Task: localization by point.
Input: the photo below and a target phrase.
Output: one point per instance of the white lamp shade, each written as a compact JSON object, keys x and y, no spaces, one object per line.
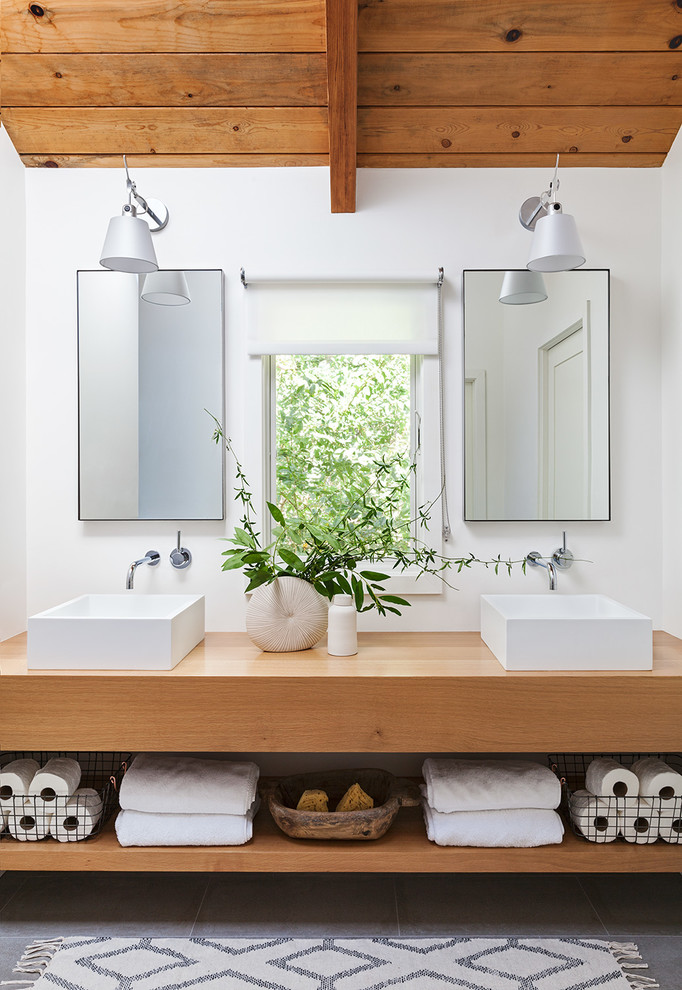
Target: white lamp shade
{"x":522,"y":288}
{"x":128,"y":246}
{"x":166,"y":289}
{"x":556,"y":244}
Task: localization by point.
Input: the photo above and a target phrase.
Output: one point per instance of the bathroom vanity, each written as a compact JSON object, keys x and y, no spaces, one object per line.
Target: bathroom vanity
{"x":403,"y":693}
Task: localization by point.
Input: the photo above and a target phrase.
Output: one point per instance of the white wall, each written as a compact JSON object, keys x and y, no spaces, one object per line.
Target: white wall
{"x":12,"y":391}
{"x":272,"y":220}
{"x":671,"y":387}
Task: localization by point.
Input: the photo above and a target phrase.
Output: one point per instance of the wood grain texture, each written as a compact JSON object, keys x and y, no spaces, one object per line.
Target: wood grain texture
{"x":164,"y":26}
{"x":414,"y":160}
{"x":504,"y":160}
{"x":430,"y":692}
{"x":579,"y":79}
{"x":342,"y":89}
{"x":167,"y":130}
{"x":176,"y":161}
{"x":404,"y":849}
{"x":527,"y":129}
{"x":168,"y":79}
{"x":535,"y":25}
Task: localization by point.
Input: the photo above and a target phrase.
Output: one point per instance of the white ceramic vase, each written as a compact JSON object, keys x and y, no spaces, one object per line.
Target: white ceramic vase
{"x":286,"y":616}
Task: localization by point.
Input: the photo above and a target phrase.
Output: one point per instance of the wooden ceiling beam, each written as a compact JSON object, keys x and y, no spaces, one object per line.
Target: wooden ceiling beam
{"x":342,"y":87}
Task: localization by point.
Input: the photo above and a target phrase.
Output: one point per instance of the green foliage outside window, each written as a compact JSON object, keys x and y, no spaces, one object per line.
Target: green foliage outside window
{"x":336,"y":415}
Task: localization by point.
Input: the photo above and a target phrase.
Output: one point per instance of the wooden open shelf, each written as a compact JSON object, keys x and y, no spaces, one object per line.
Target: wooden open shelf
{"x":404,"y":849}
{"x":403,"y":693}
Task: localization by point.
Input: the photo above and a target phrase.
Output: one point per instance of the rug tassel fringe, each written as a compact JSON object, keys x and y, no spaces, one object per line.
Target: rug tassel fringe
{"x":626,"y":954}
{"x":35,"y":960}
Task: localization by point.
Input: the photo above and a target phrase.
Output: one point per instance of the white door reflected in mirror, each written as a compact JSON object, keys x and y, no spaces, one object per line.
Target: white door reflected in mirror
{"x":536,"y":400}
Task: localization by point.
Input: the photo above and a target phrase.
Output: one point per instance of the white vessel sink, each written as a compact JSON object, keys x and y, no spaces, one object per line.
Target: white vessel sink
{"x":565,"y":632}
{"x":116,"y":632}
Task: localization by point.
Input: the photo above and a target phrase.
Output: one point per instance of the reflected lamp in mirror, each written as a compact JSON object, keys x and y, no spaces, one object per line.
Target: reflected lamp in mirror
{"x":536,"y":400}
{"x":522,"y":288}
{"x":165,"y":288}
{"x":146,"y":375}
{"x":556,"y":245}
{"x":128,"y":244}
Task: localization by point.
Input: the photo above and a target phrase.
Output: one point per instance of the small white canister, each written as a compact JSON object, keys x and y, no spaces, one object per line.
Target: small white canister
{"x":342,"y":627}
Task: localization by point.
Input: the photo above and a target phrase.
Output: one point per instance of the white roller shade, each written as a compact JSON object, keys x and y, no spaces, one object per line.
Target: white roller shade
{"x":349,"y":317}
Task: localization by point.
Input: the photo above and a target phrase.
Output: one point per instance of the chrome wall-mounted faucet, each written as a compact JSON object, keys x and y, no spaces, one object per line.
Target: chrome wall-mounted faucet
{"x":151,"y":557}
{"x":180,"y":557}
{"x":561,"y":559}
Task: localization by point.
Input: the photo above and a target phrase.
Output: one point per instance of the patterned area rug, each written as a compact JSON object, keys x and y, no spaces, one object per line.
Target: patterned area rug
{"x":333,"y":964}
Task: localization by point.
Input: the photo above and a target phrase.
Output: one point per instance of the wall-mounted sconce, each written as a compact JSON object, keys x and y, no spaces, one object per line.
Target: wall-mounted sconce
{"x":128,"y":245}
{"x":165,"y":288}
{"x":521,"y":288}
{"x":556,"y":243}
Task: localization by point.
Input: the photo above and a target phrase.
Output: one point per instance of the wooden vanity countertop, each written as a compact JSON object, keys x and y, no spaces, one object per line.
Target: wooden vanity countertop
{"x":403,"y":692}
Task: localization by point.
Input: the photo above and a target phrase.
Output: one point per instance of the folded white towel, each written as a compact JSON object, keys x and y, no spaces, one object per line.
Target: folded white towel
{"x":488,"y":785}
{"x":178,"y":785}
{"x":139,"y":828}
{"x":76,"y":819}
{"x":514,"y":827}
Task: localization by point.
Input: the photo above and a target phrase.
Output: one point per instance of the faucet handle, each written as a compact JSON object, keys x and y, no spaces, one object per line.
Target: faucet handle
{"x":180,"y":557}
{"x":562,"y":556}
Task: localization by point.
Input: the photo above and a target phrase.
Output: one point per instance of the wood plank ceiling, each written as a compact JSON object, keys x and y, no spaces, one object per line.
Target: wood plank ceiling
{"x":391,"y":83}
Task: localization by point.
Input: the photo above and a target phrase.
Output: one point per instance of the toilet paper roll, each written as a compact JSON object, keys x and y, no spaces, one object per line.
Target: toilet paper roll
{"x":77,"y":819}
{"x":670,"y":820}
{"x":657,"y":779}
{"x":594,"y":817}
{"x":606,"y":777}
{"x":26,"y":823}
{"x":59,"y":778}
{"x":638,"y":820}
{"x":15,"y":779}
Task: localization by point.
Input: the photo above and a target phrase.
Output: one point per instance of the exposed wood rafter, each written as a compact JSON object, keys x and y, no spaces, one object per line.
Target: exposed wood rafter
{"x":342,"y":88}
{"x":342,"y":83}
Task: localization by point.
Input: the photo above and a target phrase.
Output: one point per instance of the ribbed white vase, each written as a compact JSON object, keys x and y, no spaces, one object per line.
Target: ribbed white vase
{"x":286,"y":615}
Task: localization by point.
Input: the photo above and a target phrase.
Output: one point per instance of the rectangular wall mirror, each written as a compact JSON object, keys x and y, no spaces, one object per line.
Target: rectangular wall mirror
{"x":536,"y":399}
{"x":146,"y":373}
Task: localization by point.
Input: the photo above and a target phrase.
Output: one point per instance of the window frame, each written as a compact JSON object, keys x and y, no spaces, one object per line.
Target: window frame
{"x":425,"y":448}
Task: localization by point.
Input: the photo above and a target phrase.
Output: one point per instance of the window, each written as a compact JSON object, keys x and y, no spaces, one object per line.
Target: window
{"x":334,"y":416}
{"x":349,"y":375}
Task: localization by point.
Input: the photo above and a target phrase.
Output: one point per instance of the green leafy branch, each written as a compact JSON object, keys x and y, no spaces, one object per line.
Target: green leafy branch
{"x":337,"y":559}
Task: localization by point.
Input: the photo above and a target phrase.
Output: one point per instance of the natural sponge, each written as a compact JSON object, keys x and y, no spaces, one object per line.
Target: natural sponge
{"x":313,"y":800}
{"x":355,"y":799}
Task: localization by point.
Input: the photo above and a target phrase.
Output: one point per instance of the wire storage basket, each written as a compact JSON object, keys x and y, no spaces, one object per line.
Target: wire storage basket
{"x":67,"y":818}
{"x":640,"y":819}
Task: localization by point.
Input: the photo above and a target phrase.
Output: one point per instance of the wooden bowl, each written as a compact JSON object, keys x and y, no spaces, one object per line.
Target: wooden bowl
{"x":390,"y":794}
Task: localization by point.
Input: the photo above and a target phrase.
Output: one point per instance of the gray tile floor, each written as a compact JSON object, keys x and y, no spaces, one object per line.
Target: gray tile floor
{"x":646,"y":908}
